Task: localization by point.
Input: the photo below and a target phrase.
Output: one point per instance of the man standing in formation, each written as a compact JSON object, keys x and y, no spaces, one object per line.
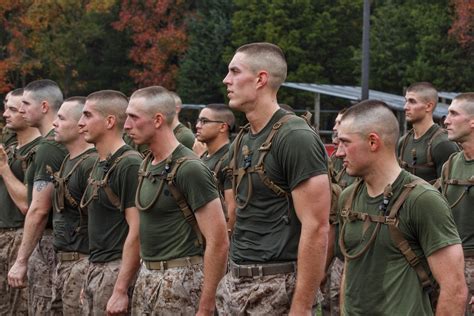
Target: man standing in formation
{"x":110,"y":201}
{"x":457,"y":179}
{"x":282,"y":195}
{"x":213,"y":128}
{"x":179,"y":210}
{"x":14,"y":160}
{"x":426,"y":147}
{"x":386,"y":234}
{"x":40,"y":103}
{"x":71,"y":240}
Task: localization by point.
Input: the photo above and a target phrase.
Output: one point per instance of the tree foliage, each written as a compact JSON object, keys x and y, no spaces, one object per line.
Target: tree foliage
{"x":158,"y":31}
{"x":463,"y":26}
{"x":202,"y":68}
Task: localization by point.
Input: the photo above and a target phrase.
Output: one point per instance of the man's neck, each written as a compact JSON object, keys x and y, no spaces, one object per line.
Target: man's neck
{"x":27,"y":135}
{"x":77,"y":147}
{"x":468,"y":150}
{"x":109,"y":145}
{"x":422,"y":127}
{"x":46,"y":125}
{"x":175,"y":122}
{"x":261,"y":114}
{"x":382,"y":173}
{"x":162,"y":145}
{"x":216,"y":144}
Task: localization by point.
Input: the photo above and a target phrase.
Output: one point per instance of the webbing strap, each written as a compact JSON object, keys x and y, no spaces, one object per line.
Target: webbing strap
{"x":446,"y":181}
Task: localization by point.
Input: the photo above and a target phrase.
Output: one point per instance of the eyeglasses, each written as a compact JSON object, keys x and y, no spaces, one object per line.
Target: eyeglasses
{"x":204,"y":121}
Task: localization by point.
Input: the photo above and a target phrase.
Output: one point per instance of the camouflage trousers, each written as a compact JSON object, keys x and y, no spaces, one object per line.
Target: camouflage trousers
{"x":99,"y":286}
{"x":266,"y":295}
{"x":174,"y":291}
{"x":330,"y":303}
{"x":68,"y":279}
{"x":12,"y":301}
{"x":469,"y":274}
{"x":40,"y":274}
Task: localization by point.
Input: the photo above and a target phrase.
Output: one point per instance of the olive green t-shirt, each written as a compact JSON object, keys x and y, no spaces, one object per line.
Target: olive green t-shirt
{"x":70,"y":223}
{"x":10,"y":215}
{"x":8,"y":137}
{"x":223,"y":178}
{"x":463,"y":211}
{"x":415,"y":153}
{"x":267,"y":229}
{"x":48,"y":158}
{"x":164,"y":232}
{"x":107,"y":225}
{"x":381,"y":281}
{"x":184,"y":135}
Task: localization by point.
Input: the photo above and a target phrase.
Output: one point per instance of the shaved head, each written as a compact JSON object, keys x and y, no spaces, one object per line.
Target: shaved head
{"x":373,"y":116}
{"x":156,"y":99}
{"x":466,"y":102}
{"x":110,"y":102}
{"x":426,"y":91}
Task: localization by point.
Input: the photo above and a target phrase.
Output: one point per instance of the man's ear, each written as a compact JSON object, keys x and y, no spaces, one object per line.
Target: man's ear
{"x":262,"y":79}
{"x":374,"y":141}
{"x":44,"y":107}
{"x":110,"y":121}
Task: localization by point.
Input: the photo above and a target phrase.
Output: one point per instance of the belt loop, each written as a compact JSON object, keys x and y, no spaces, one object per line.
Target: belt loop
{"x":162,"y":265}
{"x":260,"y":271}
{"x":188,"y":260}
{"x":249,"y":269}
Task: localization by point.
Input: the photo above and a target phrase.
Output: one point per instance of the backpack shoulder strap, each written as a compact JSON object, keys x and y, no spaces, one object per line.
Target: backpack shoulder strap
{"x":400,"y":241}
{"x":429,"y":156}
{"x":181,"y":200}
{"x":404,"y":142}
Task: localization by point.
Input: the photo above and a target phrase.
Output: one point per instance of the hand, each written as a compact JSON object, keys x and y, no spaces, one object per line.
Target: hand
{"x":199,"y":148}
{"x":3,"y":158}
{"x":471,"y":302}
{"x":17,"y":275}
{"x":118,"y":303}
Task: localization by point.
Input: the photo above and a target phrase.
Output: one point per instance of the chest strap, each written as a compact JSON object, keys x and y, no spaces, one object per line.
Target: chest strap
{"x":392,"y":221}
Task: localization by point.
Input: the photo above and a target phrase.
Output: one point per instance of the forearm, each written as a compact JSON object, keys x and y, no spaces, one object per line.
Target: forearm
{"x":130,"y":263}
{"x":452,"y":300}
{"x":35,"y":223}
{"x":215,"y":261}
{"x":16,"y":189}
{"x":312,"y":252}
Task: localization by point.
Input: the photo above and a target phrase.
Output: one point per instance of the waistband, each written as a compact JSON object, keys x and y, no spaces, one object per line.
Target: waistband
{"x":70,"y":256}
{"x":251,"y":270}
{"x":469,"y":253}
{"x":173,"y":263}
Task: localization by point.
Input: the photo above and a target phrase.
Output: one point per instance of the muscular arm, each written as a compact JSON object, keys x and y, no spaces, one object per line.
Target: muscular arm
{"x":118,"y":302}
{"x":211,"y":222}
{"x":447,"y":265}
{"x":230,"y":202}
{"x":16,"y":189}
{"x":312,"y":200}
{"x":35,"y":223}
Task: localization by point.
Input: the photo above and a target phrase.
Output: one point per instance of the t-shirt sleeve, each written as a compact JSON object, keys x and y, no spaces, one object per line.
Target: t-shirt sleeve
{"x":196,"y":183}
{"x":127,"y":181}
{"x":48,"y":158}
{"x":432,"y":222}
{"x":301,"y":155}
{"x":441,"y":153}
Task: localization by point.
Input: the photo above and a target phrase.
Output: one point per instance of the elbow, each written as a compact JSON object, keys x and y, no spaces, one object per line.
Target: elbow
{"x":23,"y":207}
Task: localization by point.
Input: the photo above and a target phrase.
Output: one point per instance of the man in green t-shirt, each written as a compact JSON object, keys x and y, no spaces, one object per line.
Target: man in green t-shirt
{"x":379,"y":279}
{"x":110,"y":201}
{"x":213,"y":128}
{"x":457,"y":179}
{"x":179,"y":208}
{"x":40,"y":102}
{"x":14,"y":160}
{"x":183,"y":134}
{"x":71,"y":241}
{"x":278,"y":247}
{"x":426,"y":147}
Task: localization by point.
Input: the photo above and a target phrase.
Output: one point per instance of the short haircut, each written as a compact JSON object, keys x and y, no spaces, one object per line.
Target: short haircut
{"x":268,"y":57}
{"x":157,"y":100}
{"x":341,"y":112}
{"x":466,"y":101}
{"x":110,"y":102}
{"x":223,"y":113}
{"x":46,"y":90}
{"x":17,"y":92}
{"x":426,"y":91}
{"x":78,"y":106}
{"x":176,"y":98}
{"x":374,"y":116}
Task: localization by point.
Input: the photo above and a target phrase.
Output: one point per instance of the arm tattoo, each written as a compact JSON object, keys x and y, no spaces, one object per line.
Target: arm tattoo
{"x":40,"y":185}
